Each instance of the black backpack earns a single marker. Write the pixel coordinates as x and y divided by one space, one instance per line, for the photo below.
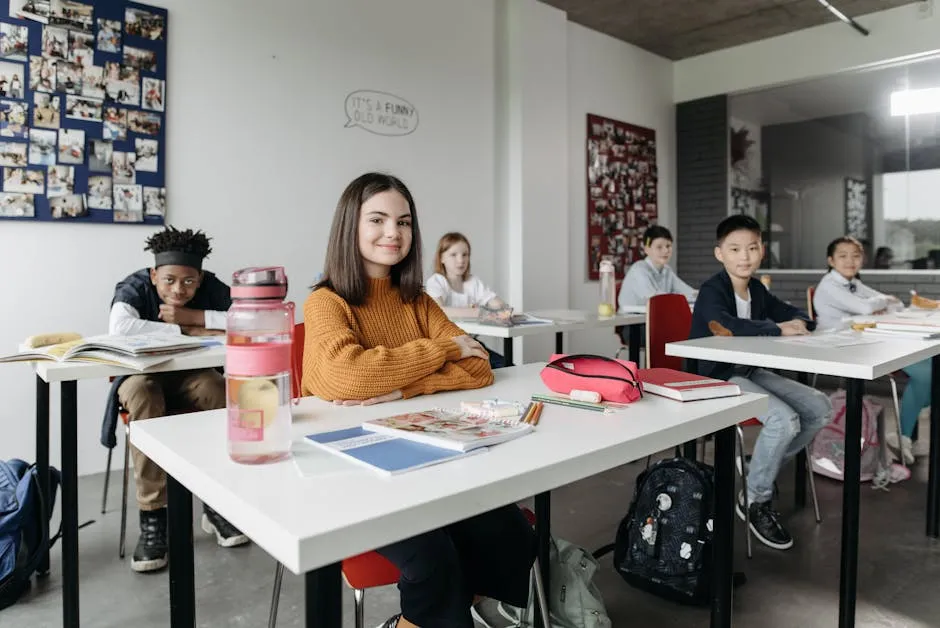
664 544
24 527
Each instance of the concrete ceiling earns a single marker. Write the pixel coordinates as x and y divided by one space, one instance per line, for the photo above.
677 29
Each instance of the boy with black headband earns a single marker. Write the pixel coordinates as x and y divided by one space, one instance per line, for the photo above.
175 296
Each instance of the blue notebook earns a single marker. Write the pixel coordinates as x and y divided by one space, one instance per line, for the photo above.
384 453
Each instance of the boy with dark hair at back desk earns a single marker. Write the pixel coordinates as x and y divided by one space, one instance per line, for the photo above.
174 296
734 300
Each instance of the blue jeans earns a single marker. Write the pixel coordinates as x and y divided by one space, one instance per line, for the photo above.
916 395
796 413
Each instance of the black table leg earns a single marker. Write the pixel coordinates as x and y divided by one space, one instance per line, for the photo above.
507 351
323 595
42 455
723 539
559 342
933 472
69 427
690 450
543 532
848 576
182 564
799 493
635 340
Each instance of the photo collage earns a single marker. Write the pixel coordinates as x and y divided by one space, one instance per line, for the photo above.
82 111
621 191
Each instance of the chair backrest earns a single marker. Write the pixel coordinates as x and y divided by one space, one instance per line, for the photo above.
668 319
297 358
810 293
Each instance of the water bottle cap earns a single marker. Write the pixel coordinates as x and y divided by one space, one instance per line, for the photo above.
607 266
264 282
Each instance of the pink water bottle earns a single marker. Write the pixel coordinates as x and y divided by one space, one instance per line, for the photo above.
258 388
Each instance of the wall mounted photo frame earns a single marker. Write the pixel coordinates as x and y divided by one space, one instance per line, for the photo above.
82 111
622 191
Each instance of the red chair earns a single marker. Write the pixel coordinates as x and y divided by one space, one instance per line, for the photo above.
370 569
668 319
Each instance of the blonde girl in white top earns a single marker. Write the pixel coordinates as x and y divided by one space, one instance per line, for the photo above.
452 285
459 293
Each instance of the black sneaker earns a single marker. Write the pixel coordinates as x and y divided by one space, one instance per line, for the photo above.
766 526
226 534
391 622
150 553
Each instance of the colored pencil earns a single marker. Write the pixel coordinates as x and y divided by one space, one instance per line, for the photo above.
538 413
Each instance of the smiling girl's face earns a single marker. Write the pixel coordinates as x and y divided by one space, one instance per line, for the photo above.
384 232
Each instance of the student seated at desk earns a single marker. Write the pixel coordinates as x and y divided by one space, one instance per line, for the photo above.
841 295
740 303
459 293
175 296
652 275
373 335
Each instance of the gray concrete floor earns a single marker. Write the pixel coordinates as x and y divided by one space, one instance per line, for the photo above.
899 568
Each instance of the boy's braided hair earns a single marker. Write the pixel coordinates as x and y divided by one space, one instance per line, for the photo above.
173 239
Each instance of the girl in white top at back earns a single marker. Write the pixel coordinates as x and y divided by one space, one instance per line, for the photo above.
841 295
652 275
452 285
459 293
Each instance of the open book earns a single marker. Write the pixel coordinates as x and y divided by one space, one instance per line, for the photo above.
458 431
137 352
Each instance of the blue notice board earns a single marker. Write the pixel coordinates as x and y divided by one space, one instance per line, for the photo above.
83 111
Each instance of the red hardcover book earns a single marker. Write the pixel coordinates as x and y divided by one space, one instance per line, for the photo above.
683 386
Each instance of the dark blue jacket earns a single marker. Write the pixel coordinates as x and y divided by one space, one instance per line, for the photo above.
137 291
715 302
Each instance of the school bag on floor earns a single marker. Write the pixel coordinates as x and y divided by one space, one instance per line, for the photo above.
664 544
574 601
828 449
24 528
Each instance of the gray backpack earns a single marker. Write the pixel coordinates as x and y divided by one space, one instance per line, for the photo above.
574 599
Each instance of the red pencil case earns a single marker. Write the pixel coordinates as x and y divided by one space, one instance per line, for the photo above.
614 380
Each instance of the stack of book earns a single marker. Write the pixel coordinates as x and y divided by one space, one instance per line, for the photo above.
923 328
413 440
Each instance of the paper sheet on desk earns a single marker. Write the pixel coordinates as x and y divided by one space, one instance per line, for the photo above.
829 340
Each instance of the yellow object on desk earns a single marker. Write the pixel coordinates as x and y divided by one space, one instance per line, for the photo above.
605 309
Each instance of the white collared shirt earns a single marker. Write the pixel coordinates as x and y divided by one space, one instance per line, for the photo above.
474 292
836 301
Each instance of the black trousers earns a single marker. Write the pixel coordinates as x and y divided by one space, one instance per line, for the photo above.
441 570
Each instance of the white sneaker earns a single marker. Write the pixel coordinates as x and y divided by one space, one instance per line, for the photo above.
906 449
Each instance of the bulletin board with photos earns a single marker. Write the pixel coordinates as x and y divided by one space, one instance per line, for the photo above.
621 191
82 111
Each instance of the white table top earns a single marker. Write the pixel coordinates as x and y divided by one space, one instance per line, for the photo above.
866 361
70 371
562 321
342 509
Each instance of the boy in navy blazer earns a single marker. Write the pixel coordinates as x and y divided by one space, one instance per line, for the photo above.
737 301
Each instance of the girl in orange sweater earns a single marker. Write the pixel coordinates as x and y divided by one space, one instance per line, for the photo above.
373 335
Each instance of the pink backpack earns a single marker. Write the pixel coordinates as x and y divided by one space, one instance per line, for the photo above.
828 448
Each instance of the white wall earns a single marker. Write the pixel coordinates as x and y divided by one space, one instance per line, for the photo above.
809 53
259 157
611 78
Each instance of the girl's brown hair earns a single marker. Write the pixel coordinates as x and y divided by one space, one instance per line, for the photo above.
343 270
448 240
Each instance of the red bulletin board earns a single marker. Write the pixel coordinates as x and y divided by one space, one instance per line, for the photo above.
621 191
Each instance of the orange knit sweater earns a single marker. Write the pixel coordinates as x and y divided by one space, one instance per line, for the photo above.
383 346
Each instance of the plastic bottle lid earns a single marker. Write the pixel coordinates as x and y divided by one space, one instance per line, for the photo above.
266 282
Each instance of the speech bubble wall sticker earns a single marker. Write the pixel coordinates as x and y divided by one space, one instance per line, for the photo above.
380 113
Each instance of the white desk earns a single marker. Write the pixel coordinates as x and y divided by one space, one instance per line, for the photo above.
68 375
310 524
561 321
856 363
